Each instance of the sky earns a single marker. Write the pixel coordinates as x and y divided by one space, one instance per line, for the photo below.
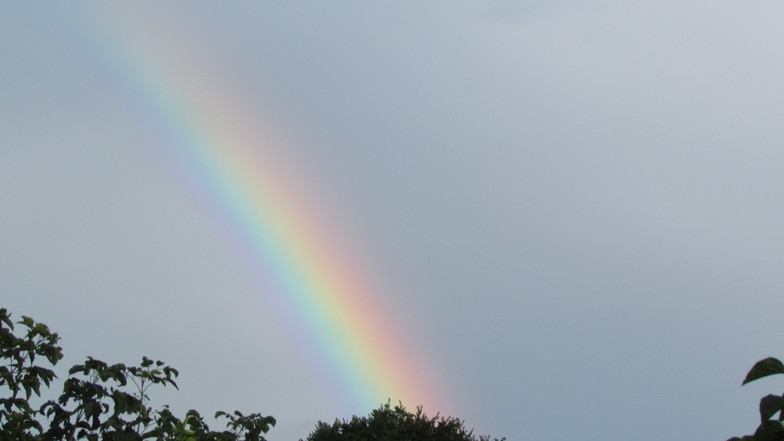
554 220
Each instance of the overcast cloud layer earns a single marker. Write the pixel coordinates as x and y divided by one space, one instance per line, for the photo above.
581 201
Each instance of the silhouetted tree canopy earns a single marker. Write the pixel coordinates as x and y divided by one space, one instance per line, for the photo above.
389 423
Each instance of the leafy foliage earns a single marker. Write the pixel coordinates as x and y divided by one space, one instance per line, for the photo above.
98 401
395 424
110 402
21 376
770 428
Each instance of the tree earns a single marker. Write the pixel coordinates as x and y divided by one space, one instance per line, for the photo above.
21 376
770 428
389 423
98 401
110 402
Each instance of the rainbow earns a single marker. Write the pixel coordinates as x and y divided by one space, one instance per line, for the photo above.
236 163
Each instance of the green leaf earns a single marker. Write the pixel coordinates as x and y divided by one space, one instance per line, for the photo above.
769 405
5 317
764 368
769 431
